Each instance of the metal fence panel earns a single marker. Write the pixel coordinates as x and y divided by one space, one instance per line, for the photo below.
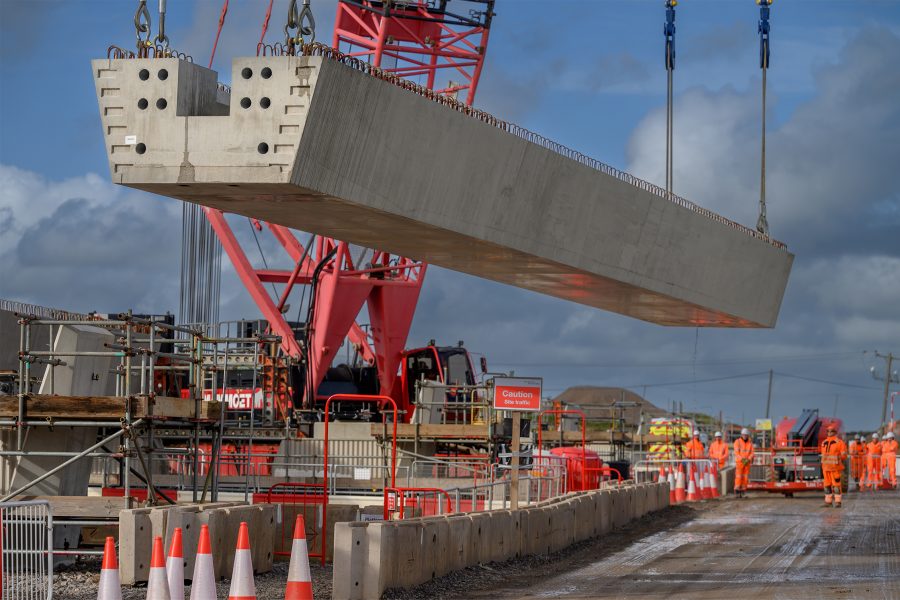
26 550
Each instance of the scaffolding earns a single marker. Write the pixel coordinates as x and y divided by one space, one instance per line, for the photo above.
169 377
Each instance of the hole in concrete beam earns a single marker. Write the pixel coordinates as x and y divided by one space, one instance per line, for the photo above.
265 102
140 148
161 104
142 103
263 148
266 72
245 102
144 74
246 72
163 74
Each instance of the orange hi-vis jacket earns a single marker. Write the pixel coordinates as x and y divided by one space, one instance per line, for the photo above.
873 449
889 447
834 453
718 451
694 449
743 451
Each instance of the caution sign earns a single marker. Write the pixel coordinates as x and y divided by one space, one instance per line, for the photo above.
518 393
764 424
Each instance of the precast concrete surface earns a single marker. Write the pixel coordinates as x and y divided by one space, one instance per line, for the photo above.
313 144
760 547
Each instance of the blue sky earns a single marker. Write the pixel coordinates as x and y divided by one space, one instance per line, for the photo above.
589 74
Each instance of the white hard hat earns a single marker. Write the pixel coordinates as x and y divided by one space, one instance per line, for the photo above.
889 435
696 432
718 434
745 431
874 436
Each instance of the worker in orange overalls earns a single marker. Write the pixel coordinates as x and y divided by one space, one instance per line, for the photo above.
889 457
834 453
873 463
694 449
857 451
718 450
743 458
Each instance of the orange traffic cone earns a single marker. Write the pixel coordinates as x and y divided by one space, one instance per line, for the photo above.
203 584
110 585
175 566
299 583
242 586
662 474
679 485
713 482
692 488
670 478
700 477
157 584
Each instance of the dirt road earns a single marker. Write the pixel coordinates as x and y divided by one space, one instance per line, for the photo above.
762 547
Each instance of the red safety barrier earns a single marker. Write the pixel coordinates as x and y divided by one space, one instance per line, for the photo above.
298 498
396 500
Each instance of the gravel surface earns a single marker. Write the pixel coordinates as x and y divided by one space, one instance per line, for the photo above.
79 582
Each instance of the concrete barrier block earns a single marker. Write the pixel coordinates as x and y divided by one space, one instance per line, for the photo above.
351 554
234 515
184 517
263 546
726 481
586 517
604 511
533 527
411 566
217 521
135 545
504 536
459 546
562 529
481 537
435 546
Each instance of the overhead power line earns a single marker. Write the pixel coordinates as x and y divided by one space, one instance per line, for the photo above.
636 365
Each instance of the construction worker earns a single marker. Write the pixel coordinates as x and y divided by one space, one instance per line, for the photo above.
694 449
743 458
857 452
718 450
873 463
889 457
834 453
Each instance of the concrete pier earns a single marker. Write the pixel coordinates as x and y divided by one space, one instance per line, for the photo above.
317 145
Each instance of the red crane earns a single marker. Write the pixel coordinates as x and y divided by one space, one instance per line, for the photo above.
417 39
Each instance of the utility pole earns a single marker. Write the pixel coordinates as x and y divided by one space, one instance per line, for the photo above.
887 383
769 398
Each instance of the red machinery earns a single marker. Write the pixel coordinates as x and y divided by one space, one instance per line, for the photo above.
792 462
415 39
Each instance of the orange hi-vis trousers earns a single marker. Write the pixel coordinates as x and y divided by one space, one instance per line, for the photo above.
873 470
889 462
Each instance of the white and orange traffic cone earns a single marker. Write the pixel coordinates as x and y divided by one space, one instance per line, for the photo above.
713 481
203 584
110 585
662 474
670 478
299 583
692 488
700 476
175 566
242 585
158 584
679 485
